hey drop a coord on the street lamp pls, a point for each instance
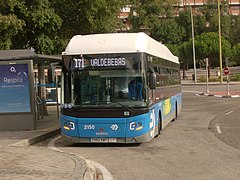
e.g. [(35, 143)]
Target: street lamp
[(220, 43), (193, 44)]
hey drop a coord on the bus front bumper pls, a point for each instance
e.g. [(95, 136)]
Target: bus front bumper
[(139, 139)]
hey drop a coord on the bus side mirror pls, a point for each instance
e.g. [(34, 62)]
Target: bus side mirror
[(152, 80), (51, 74)]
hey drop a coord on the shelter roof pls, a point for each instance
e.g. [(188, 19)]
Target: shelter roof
[(27, 54)]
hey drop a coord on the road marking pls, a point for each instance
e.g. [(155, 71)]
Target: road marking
[(229, 112), (192, 92), (219, 130)]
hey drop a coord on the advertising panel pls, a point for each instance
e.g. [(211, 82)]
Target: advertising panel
[(15, 88)]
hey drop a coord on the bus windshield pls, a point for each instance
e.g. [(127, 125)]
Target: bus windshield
[(105, 81)]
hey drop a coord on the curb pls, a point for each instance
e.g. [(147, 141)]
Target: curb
[(221, 96), (88, 172), (91, 171), (36, 139), (204, 84)]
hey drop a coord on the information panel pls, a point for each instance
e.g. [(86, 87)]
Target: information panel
[(15, 88)]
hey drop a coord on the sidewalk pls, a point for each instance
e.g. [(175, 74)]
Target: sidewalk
[(222, 94), (191, 82), (233, 93), (19, 160)]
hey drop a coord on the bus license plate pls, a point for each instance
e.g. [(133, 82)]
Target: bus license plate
[(103, 140)]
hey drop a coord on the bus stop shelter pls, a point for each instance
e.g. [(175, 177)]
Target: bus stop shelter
[(20, 94)]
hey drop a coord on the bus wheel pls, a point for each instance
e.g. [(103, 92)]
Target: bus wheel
[(159, 124), (176, 112)]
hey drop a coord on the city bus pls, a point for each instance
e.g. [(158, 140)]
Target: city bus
[(118, 88)]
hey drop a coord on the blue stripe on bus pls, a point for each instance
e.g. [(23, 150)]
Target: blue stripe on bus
[(106, 127), (116, 127)]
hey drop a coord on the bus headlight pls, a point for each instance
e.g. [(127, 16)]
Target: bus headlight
[(67, 105), (132, 125), (69, 126), (139, 126), (70, 105), (136, 126)]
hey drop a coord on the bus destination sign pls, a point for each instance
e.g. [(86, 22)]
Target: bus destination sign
[(81, 63)]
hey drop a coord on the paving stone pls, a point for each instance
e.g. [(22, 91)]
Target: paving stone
[(34, 163)]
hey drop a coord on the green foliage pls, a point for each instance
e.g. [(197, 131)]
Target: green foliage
[(184, 20), (202, 78), (215, 79), (27, 24), (237, 77), (234, 32), (200, 25), (167, 30), (10, 25), (174, 49), (236, 53), (207, 46), (86, 17), (185, 53), (48, 25), (226, 26), (148, 15), (42, 25)]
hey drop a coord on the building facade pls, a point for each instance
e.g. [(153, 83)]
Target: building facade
[(233, 7)]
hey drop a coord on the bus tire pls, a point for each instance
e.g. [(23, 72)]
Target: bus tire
[(159, 124), (176, 112)]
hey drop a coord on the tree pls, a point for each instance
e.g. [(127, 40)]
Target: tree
[(33, 24), (200, 24), (236, 54), (234, 32), (29, 24), (185, 55), (150, 15), (42, 26), (207, 46), (10, 25), (87, 17), (168, 31), (184, 21)]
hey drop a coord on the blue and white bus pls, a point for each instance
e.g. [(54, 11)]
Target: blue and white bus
[(118, 88)]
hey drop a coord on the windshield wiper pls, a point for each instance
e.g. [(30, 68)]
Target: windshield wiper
[(126, 107), (114, 101)]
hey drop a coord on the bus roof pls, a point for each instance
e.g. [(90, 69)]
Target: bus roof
[(118, 43)]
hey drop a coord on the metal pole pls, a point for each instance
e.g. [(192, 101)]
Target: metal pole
[(193, 44), (228, 85), (220, 43), (56, 84), (228, 79), (207, 88)]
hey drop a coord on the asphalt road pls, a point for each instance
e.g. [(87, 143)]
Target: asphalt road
[(203, 143)]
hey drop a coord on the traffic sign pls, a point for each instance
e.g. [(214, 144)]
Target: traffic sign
[(226, 70)]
